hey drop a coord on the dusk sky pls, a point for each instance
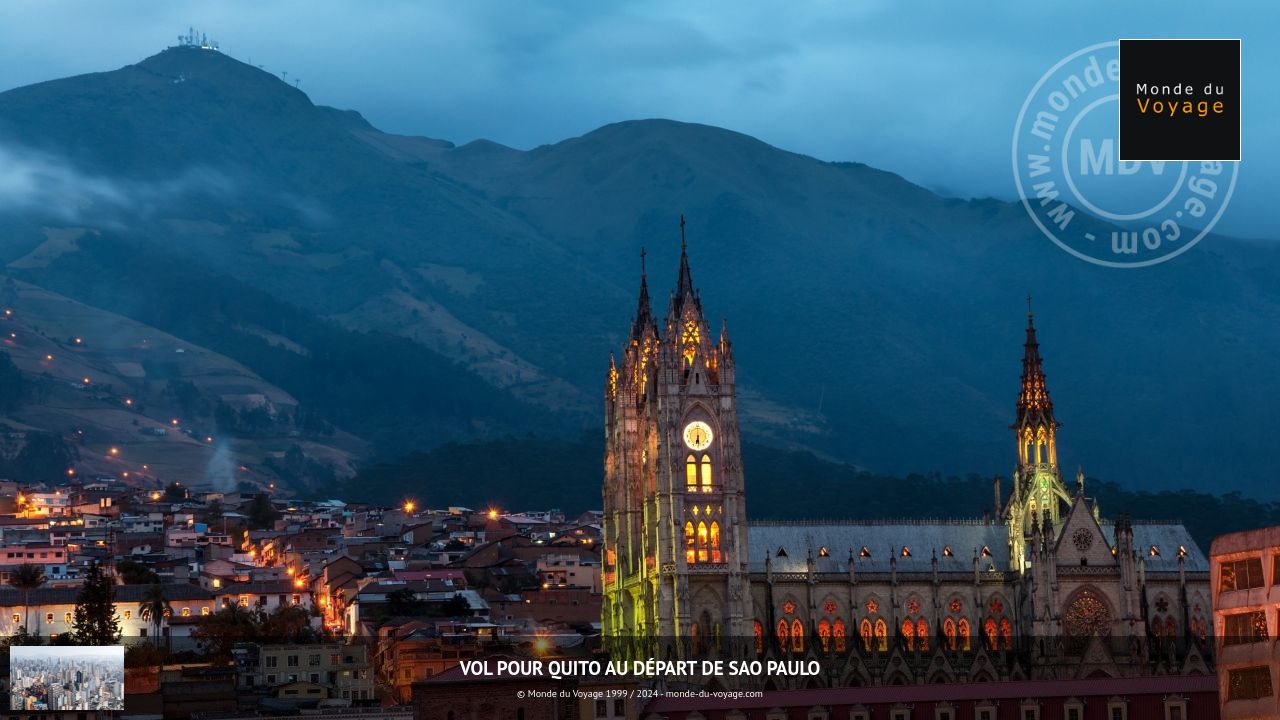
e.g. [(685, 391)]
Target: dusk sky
[(924, 89)]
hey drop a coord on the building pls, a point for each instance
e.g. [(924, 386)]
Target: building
[(1047, 587), (1245, 570), (343, 671)]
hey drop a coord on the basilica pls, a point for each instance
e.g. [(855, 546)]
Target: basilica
[(1048, 587)]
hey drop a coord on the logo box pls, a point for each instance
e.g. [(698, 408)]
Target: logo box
[(1180, 100)]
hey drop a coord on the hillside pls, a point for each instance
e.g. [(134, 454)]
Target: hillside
[(874, 322)]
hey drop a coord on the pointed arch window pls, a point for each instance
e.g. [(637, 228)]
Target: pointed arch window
[(965, 642), (758, 629), (694, 640), (1170, 628), (707, 483), (797, 636), (991, 633), (824, 635), (1006, 633), (837, 631), (690, 538), (882, 635), (784, 633), (691, 473), (864, 631), (715, 542), (922, 635), (702, 542), (949, 632), (909, 635)]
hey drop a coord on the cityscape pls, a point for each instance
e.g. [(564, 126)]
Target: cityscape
[(68, 678), (320, 399)]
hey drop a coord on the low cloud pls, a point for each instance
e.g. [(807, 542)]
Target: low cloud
[(39, 183)]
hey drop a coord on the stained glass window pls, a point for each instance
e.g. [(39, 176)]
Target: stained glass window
[(715, 542), (702, 542), (882, 635), (949, 631), (864, 631), (691, 474), (830, 607), (991, 633), (1006, 632), (706, 473), (784, 633), (965, 643), (922, 635), (759, 632), (689, 538), (797, 636), (1087, 615), (824, 635), (909, 635), (837, 629)]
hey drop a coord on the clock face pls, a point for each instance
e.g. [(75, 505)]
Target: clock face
[(697, 435)]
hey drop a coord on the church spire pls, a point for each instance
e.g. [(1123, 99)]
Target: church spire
[(684, 292), (644, 312), (1034, 404)]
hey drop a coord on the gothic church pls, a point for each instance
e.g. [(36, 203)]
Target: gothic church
[(1047, 588)]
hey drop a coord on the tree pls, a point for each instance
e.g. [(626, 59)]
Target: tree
[(219, 632), (27, 577), (13, 389), (287, 624), (94, 621), (173, 493), (135, 573), (262, 514), (214, 511), (155, 609)]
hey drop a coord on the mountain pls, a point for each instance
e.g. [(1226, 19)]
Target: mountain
[(875, 322)]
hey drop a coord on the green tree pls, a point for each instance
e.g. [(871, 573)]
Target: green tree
[(135, 573), (27, 577), (94, 621), (155, 609), (173, 493), (219, 632), (262, 514), (13, 389)]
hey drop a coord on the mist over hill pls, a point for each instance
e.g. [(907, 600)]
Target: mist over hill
[(875, 323)]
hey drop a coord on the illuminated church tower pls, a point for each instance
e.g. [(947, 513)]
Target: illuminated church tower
[(1039, 496), (675, 576)]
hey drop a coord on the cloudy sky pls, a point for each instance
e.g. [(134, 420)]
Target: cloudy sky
[(926, 89)]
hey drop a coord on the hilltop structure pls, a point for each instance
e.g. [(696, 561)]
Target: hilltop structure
[(1045, 588)]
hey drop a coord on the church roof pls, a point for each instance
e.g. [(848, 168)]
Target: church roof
[(1166, 538), (882, 540)]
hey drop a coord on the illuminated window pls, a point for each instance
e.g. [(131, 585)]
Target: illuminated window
[(784, 633), (922, 635), (702, 542), (864, 631), (906, 551), (837, 629), (689, 538), (991, 633), (759, 631), (66, 617), (186, 612), (244, 601), (691, 473), (1006, 632), (706, 473), (17, 618), (824, 635), (694, 638), (882, 635), (949, 631), (964, 635), (864, 552), (204, 611), (824, 552), (715, 542), (48, 618), (128, 614), (797, 636), (909, 634)]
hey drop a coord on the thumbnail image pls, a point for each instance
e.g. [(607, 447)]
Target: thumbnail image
[(66, 678)]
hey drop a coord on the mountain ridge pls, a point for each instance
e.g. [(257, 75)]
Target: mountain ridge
[(875, 321)]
